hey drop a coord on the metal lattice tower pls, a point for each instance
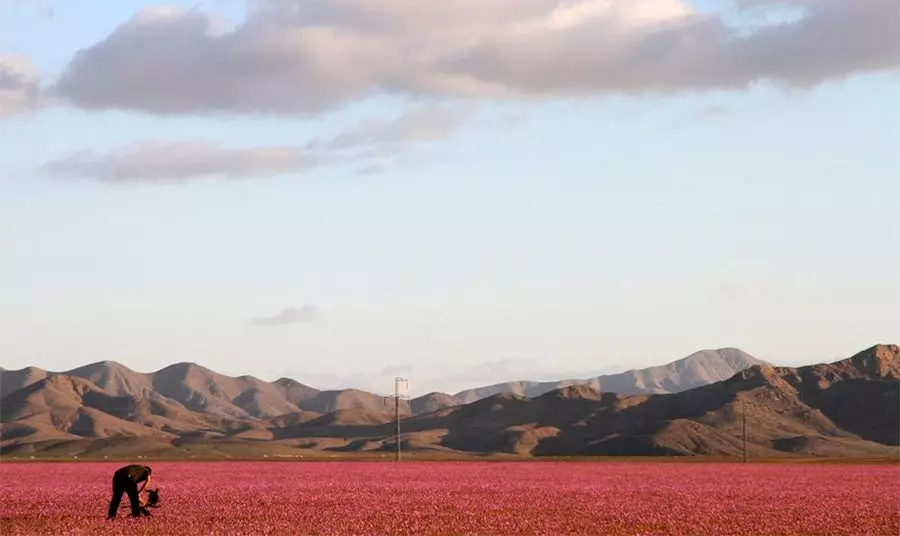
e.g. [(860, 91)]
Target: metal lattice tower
[(744, 429), (397, 397)]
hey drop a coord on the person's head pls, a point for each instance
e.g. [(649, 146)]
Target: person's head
[(149, 471)]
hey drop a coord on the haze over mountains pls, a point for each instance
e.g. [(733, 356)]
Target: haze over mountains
[(700, 368), (690, 406)]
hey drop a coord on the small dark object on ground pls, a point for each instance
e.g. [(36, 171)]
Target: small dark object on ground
[(153, 498)]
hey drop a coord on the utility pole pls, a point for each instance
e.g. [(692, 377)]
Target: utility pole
[(744, 428), (397, 398)]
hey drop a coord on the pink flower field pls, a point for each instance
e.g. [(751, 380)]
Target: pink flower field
[(460, 498)]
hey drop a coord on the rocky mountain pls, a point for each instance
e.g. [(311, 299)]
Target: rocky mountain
[(202, 390), (108, 400), (846, 408), (191, 386), (701, 368), (13, 380)]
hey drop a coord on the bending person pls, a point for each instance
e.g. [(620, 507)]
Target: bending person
[(126, 480)]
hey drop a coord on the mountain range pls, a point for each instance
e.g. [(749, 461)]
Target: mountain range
[(691, 406)]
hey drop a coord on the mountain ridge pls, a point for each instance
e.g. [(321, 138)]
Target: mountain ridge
[(184, 381), (700, 367), (813, 409)]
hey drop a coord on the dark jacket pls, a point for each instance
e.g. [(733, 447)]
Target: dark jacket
[(135, 473)]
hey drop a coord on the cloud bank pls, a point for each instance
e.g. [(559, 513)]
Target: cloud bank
[(291, 315), (301, 56)]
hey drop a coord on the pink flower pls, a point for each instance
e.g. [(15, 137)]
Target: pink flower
[(459, 498)]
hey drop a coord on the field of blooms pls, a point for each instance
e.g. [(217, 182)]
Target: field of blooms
[(459, 498)]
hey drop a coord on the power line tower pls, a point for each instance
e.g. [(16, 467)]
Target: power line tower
[(744, 429), (397, 397)]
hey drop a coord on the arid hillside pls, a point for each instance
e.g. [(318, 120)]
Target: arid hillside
[(849, 408)]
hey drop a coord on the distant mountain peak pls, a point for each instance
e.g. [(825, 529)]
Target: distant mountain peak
[(697, 369), (733, 356), (582, 392), (184, 369), (881, 361), (183, 365), (101, 365), (290, 383), (27, 370)]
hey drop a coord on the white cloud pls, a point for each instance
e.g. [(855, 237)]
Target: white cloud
[(302, 56), (291, 315)]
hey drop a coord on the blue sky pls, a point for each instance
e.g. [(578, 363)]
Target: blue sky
[(457, 213)]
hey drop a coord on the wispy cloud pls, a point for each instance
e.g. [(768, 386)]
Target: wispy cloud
[(291, 315), (367, 143), (183, 161), (419, 125)]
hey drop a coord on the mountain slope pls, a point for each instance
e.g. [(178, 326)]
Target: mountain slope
[(700, 368), (202, 390), (13, 380), (188, 384), (114, 378), (63, 406), (846, 408), (293, 391), (331, 401), (432, 402), (789, 411), (869, 379)]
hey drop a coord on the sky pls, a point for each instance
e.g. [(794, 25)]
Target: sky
[(460, 193)]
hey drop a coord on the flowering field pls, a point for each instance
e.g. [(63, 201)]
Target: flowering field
[(459, 498)]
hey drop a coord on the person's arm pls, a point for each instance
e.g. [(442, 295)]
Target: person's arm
[(143, 487)]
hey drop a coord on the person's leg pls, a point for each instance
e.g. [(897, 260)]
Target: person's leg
[(132, 491), (117, 491)]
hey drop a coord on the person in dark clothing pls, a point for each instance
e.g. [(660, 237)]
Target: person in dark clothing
[(126, 480)]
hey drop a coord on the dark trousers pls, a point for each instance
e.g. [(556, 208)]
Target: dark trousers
[(123, 484)]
